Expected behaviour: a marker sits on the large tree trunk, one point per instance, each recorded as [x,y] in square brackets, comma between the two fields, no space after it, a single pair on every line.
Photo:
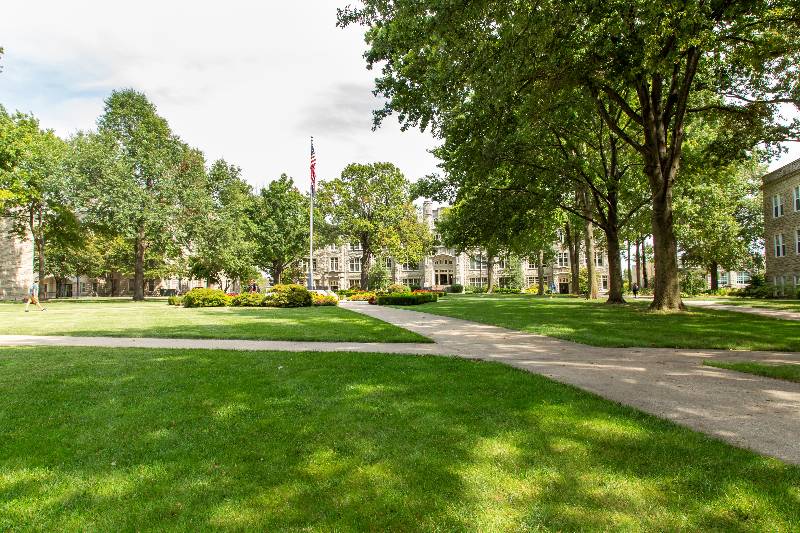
[574,247]
[490,273]
[667,289]
[713,269]
[366,263]
[614,268]
[645,277]
[541,272]
[591,269]
[628,257]
[277,272]
[638,262]
[138,273]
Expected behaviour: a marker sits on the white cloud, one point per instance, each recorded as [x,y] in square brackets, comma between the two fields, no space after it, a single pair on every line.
[246,81]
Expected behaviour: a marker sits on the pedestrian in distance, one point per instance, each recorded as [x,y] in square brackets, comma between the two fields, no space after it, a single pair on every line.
[33,297]
[635,290]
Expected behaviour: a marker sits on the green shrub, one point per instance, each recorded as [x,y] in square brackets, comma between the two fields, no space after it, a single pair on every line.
[291,295]
[456,288]
[396,288]
[361,296]
[248,299]
[474,289]
[407,298]
[506,290]
[323,299]
[175,300]
[414,287]
[205,298]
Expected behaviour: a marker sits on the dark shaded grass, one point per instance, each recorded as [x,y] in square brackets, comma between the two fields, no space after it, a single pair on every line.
[94,439]
[599,324]
[786,372]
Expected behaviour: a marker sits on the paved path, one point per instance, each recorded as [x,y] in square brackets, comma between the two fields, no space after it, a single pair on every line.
[760,311]
[750,411]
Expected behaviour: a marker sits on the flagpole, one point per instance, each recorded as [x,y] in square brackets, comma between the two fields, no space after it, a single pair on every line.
[311,224]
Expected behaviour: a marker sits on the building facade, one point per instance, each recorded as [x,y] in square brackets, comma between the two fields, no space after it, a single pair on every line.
[16,264]
[339,266]
[781,189]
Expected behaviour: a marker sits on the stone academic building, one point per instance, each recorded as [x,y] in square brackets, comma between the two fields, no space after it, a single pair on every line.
[781,189]
[339,267]
[16,264]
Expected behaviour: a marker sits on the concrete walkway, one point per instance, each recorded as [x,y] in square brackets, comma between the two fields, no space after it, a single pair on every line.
[760,311]
[750,411]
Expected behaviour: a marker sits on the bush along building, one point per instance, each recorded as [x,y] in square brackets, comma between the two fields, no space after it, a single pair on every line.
[338,266]
[781,189]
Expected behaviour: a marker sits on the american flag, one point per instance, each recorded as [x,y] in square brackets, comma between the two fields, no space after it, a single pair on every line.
[313,168]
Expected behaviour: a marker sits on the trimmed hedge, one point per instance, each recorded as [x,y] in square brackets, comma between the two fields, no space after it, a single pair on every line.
[455,288]
[248,299]
[361,297]
[414,298]
[506,290]
[397,288]
[292,295]
[205,298]
[175,300]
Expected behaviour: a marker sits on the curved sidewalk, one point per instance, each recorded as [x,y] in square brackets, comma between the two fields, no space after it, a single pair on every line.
[755,412]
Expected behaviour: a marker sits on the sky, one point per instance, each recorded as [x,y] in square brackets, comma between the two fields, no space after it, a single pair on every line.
[247,81]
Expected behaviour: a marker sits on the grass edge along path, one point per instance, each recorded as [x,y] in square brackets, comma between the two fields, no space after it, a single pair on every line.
[775,371]
[111,439]
[158,320]
[596,323]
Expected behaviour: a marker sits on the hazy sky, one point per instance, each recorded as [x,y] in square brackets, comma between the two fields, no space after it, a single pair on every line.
[246,81]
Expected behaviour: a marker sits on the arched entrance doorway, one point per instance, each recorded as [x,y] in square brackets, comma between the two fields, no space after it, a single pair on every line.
[444,270]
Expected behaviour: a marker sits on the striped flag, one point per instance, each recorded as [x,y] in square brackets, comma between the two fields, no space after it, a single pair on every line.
[313,168]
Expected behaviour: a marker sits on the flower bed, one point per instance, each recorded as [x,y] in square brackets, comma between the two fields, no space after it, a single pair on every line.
[323,299]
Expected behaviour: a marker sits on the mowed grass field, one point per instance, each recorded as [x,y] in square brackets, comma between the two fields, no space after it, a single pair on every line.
[776,371]
[598,324]
[126,439]
[124,318]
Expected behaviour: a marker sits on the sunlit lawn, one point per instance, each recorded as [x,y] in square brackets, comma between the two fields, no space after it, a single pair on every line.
[124,318]
[122,439]
[777,371]
[780,304]
[599,324]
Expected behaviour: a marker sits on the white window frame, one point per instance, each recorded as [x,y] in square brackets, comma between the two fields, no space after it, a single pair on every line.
[780,245]
[797,241]
[333,264]
[777,206]
[563,259]
[599,259]
[354,264]
[796,191]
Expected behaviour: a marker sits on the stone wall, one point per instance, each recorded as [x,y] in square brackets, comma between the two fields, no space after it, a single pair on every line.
[783,182]
[16,264]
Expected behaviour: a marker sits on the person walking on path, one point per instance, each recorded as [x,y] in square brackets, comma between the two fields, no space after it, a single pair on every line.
[635,289]
[33,297]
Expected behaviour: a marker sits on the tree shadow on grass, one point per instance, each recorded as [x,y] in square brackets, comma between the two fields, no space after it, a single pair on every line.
[130,439]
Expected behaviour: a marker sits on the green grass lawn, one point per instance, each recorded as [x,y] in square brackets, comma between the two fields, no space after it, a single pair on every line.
[124,318]
[782,305]
[599,324]
[124,439]
[787,372]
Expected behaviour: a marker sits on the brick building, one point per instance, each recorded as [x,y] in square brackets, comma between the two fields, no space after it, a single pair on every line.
[781,189]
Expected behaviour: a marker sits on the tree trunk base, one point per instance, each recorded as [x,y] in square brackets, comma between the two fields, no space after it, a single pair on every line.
[616,301]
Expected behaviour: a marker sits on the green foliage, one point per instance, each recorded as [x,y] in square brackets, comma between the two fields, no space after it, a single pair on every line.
[378,277]
[475,289]
[507,290]
[279,229]
[248,299]
[414,298]
[693,282]
[323,299]
[291,295]
[395,288]
[371,205]
[455,288]
[205,298]
[175,300]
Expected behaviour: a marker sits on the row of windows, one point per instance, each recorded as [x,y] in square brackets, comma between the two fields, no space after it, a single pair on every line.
[777,202]
[781,282]
[780,244]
